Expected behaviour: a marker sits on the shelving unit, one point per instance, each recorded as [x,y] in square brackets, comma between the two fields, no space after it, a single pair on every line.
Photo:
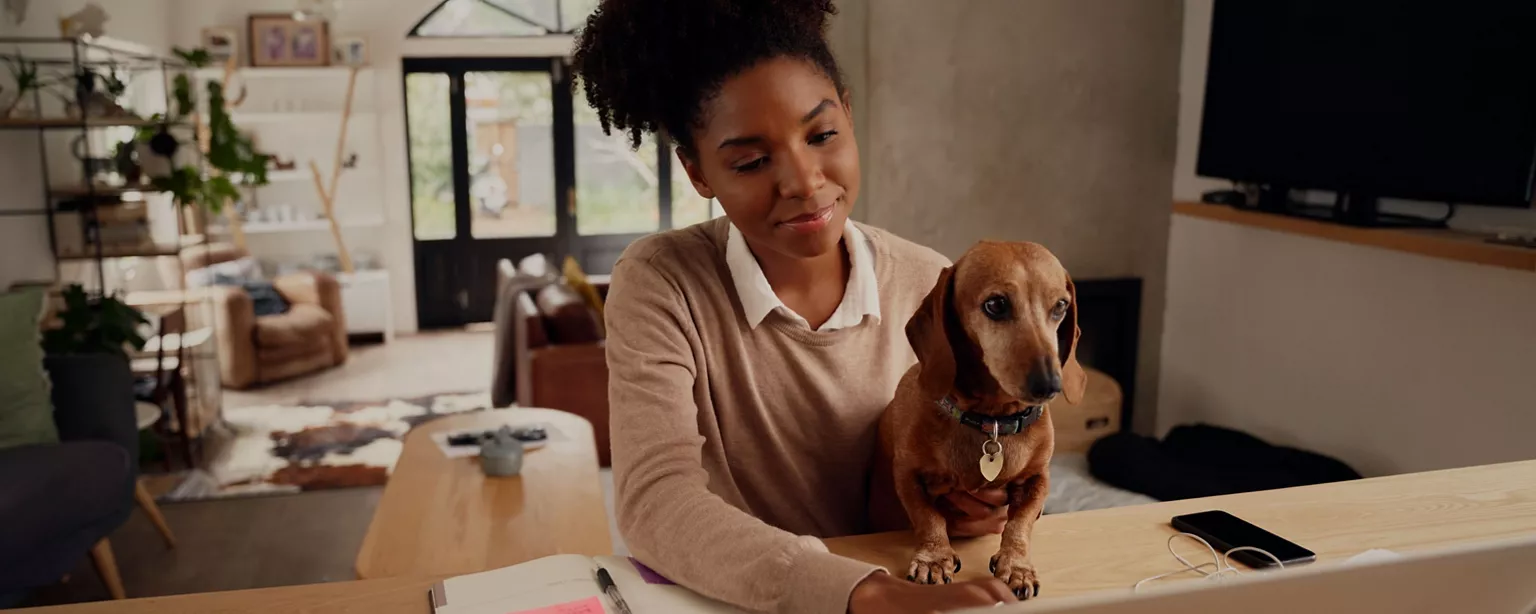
[294,113]
[1443,244]
[87,198]
[291,116]
[67,123]
[305,176]
[301,226]
[68,200]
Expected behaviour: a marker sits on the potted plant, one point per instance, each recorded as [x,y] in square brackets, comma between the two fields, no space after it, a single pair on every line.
[229,152]
[87,358]
[26,77]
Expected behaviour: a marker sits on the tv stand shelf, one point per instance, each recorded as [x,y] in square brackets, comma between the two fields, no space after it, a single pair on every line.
[1443,244]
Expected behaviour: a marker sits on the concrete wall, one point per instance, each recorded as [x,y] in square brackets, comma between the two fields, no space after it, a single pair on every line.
[1392,362]
[1033,120]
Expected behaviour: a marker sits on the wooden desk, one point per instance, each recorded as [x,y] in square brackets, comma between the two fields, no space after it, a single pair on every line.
[1081,552]
[443,517]
[1113,548]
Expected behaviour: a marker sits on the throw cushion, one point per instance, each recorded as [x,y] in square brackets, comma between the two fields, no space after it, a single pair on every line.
[231,272]
[26,416]
[567,318]
[577,280]
[265,299]
[535,266]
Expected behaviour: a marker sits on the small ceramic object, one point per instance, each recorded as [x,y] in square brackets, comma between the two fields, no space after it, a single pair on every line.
[501,455]
[89,21]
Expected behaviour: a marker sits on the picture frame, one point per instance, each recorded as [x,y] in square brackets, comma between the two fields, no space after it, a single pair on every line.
[349,51]
[222,42]
[277,39]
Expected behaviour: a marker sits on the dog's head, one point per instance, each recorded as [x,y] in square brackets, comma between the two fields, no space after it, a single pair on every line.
[1003,320]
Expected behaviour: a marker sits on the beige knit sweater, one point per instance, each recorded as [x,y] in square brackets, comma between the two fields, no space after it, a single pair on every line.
[735,449]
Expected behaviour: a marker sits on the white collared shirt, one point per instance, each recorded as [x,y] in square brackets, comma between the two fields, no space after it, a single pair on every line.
[861,297]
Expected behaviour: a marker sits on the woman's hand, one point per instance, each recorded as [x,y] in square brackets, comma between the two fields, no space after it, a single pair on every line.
[880,593]
[973,514]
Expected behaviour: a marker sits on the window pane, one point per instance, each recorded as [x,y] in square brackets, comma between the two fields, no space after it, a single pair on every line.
[688,208]
[616,186]
[477,18]
[574,13]
[511,154]
[426,105]
[542,12]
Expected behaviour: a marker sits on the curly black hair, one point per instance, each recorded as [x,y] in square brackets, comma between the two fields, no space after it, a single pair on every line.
[650,65]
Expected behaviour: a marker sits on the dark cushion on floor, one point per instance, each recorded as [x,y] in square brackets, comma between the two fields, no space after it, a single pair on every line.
[56,501]
[1205,461]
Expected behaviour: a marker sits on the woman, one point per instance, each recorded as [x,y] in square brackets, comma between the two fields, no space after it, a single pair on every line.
[750,357]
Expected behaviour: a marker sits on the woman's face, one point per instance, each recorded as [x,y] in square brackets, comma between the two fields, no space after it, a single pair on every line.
[776,148]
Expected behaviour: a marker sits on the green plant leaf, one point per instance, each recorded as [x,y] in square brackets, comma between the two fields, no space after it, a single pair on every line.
[182,92]
[198,57]
[95,325]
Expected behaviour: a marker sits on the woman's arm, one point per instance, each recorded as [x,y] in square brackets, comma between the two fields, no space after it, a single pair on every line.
[667,514]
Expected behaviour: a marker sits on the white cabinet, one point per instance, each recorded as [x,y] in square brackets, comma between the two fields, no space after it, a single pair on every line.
[365,299]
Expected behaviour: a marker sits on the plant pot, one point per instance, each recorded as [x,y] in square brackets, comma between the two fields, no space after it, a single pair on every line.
[93,399]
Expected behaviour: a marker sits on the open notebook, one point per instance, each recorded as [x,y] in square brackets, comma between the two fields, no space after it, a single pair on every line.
[547,584]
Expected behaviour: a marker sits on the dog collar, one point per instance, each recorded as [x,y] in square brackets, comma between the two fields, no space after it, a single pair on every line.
[1001,425]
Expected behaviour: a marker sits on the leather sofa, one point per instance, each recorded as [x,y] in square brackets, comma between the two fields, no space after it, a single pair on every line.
[549,349]
[253,350]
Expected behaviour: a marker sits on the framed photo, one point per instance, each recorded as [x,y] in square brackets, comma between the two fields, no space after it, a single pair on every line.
[221,42]
[350,51]
[278,39]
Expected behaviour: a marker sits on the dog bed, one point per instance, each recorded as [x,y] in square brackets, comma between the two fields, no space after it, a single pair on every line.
[1073,489]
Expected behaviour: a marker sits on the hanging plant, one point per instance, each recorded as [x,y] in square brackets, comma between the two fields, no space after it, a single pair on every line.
[228,149]
[25,75]
[230,152]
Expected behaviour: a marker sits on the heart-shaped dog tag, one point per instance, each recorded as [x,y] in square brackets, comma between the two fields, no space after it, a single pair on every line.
[991,459]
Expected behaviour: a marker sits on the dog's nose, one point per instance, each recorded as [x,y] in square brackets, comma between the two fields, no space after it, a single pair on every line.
[1044,381]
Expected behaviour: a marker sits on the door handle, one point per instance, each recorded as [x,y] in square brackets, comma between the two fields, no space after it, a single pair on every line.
[463,299]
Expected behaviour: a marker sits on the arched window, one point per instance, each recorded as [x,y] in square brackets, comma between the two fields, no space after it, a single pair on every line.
[503,18]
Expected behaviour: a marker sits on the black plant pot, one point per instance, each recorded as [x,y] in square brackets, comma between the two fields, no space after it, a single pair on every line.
[93,399]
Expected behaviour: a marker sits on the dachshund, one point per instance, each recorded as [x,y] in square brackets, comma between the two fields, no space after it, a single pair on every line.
[996,340]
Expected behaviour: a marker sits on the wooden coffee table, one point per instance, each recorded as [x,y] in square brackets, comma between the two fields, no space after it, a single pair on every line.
[442,516]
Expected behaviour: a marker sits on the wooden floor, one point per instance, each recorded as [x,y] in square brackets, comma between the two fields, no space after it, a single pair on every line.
[283,540]
[411,366]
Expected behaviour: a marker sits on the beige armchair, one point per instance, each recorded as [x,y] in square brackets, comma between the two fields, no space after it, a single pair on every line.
[310,336]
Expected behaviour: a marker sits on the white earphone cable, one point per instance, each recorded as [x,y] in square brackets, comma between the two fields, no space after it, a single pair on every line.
[1220,562]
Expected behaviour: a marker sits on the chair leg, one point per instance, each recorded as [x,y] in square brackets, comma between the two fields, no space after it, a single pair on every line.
[106,565]
[147,503]
[179,400]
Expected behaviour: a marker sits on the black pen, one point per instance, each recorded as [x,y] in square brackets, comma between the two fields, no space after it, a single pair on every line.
[605,582]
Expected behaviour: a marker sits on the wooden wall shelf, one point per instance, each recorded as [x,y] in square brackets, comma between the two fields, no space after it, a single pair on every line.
[1443,244]
[59,123]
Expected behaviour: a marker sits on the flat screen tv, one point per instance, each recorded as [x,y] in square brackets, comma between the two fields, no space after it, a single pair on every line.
[1407,99]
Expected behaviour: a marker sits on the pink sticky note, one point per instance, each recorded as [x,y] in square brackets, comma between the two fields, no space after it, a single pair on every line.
[590,605]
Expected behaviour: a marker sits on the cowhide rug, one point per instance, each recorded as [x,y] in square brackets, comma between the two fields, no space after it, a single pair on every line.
[313,446]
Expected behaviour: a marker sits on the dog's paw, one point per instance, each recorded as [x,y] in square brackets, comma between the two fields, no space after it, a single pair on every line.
[934,565]
[1015,570]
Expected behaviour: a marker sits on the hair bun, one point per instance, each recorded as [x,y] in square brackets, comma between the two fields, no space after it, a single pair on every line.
[649,65]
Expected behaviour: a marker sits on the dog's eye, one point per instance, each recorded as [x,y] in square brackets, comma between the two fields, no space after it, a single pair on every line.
[997,307]
[1060,310]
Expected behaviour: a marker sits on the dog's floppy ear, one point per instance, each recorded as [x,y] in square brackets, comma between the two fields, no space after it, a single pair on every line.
[1073,379]
[930,341]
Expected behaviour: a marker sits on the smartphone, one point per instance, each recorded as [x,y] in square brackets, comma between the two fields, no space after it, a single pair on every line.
[1225,532]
